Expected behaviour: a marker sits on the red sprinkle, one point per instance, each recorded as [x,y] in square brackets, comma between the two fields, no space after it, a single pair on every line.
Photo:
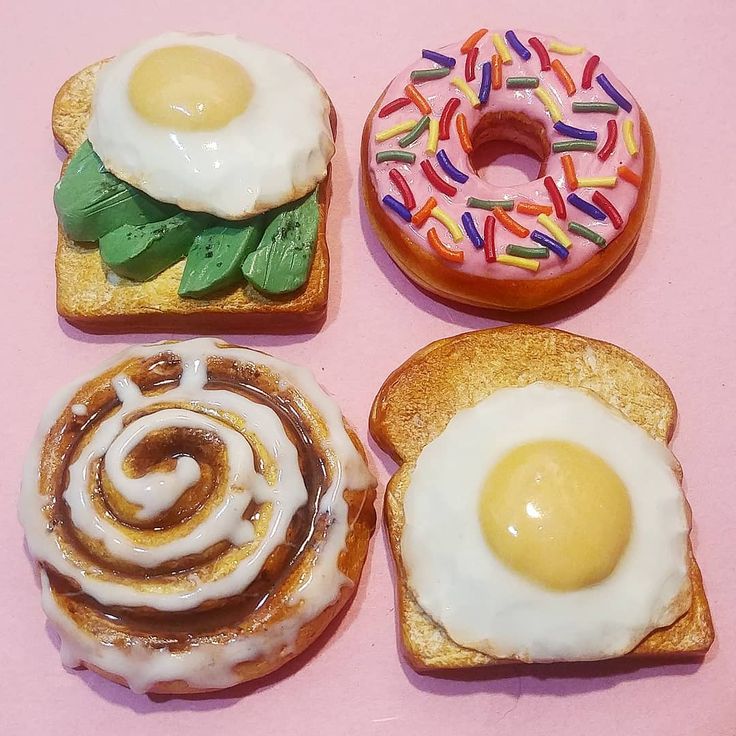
[556,197]
[472,39]
[628,175]
[496,72]
[470,60]
[439,184]
[590,66]
[610,143]
[393,106]
[608,207]
[538,46]
[564,76]
[422,215]
[446,118]
[454,256]
[406,193]
[509,223]
[489,238]
[532,208]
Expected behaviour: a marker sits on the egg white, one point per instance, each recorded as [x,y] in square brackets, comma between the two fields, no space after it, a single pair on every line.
[276,151]
[485,605]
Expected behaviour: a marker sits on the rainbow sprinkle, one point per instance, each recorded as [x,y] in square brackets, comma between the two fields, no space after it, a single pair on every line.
[563,146]
[530,264]
[452,227]
[556,247]
[526,251]
[449,169]
[485,83]
[546,99]
[397,207]
[612,92]
[522,82]
[598,181]
[587,233]
[554,230]
[465,88]
[518,46]
[472,230]
[564,76]
[398,129]
[572,132]
[427,75]
[418,99]
[587,207]
[538,46]
[490,204]
[406,157]
[501,48]
[628,132]
[472,39]
[562,48]
[415,132]
[433,136]
[438,58]
[609,107]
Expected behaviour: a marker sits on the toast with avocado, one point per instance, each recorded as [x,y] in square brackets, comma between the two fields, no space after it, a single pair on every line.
[127,263]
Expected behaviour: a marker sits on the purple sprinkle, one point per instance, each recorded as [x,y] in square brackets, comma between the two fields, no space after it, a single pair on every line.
[485,83]
[612,92]
[449,169]
[518,46]
[555,246]
[438,58]
[571,132]
[397,207]
[472,230]
[587,207]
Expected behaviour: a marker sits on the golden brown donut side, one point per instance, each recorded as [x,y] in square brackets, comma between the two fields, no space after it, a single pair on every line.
[431,273]
[86,299]
[418,399]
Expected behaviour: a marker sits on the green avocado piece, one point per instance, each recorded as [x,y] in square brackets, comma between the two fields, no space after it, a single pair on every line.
[91,202]
[217,254]
[140,252]
[282,261]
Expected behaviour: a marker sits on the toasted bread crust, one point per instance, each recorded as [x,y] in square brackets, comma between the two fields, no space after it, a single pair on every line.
[85,297]
[421,396]
[432,274]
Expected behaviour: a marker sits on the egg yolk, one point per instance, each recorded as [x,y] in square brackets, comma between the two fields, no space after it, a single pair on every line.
[189,88]
[556,513]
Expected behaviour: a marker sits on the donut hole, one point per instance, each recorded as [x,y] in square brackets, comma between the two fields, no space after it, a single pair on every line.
[509,149]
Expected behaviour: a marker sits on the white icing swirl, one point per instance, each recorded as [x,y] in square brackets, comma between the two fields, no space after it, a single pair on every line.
[192,406]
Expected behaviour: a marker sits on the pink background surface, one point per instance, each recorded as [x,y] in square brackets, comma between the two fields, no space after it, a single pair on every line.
[673,305]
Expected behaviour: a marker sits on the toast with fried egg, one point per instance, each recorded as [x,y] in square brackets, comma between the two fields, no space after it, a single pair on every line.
[420,398]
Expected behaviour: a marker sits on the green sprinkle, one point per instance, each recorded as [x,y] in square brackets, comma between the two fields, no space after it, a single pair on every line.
[525,251]
[415,132]
[587,233]
[406,156]
[611,107]
[489,204]
[562,146]
[424,75]
[522,82]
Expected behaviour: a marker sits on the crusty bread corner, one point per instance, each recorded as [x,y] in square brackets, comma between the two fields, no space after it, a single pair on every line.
[420,397]
[92,301]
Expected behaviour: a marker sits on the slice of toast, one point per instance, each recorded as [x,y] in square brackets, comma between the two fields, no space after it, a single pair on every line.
[420,397]
[94,301]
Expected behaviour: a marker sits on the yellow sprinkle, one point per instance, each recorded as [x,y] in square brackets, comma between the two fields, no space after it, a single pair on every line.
[528,263]
[384,135]
[598,181]
[631,145]
[554,230]
[549,103]
[433,136]
[502,48]
[465,88]
[452,227]
[563,48]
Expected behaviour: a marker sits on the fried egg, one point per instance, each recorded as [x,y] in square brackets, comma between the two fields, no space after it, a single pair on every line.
[212,123]
[542,525]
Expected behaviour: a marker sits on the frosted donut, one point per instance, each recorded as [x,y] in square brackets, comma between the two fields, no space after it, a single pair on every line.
[199,513]
[510,247]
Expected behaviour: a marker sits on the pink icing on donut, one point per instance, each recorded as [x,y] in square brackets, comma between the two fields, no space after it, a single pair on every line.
[587,163]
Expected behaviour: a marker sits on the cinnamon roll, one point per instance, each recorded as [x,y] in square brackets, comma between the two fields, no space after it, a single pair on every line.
[199,513]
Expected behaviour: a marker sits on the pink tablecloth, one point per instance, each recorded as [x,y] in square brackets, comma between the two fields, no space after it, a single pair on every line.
[673,305]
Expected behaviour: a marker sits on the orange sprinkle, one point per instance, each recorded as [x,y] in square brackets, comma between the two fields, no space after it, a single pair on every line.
[422,215]
[628,175]
[509,223]
[532,208]
[462,131]
[418,99]
[473,39]
[569,168]
[496,73]
[455,256]
[564,76]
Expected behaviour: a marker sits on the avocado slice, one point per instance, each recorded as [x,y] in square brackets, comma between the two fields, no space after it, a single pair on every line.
[282,261]
[91,202]
[216,256]
[140,252]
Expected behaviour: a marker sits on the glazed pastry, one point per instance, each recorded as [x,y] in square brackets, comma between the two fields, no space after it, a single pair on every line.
[190,200]
[537,514]
[510,247]
[199,513]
